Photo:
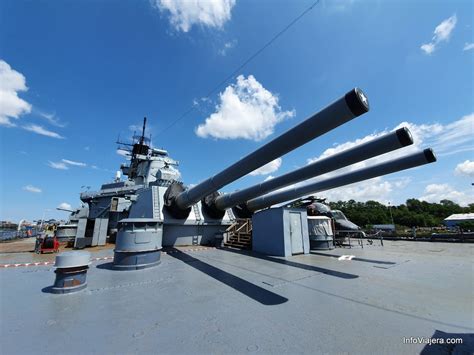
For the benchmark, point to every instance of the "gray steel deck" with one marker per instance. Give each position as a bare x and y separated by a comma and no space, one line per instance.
227,301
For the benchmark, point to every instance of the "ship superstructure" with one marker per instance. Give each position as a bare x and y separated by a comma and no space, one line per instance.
149,173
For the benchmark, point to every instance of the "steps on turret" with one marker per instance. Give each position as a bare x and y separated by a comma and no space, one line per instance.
239,234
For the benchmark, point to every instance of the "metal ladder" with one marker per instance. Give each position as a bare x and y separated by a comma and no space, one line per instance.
156,202
197,212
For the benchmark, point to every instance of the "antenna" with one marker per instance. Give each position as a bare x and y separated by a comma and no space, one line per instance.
142,138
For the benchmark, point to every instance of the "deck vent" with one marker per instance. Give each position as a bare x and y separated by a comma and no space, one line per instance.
71,271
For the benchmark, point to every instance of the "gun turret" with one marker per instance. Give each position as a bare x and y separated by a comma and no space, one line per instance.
386,143
410,161
353,104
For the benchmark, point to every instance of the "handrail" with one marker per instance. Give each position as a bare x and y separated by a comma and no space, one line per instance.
242,226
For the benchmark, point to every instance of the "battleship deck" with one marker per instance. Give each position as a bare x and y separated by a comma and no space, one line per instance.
226,301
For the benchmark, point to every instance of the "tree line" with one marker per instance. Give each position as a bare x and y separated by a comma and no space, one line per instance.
414,213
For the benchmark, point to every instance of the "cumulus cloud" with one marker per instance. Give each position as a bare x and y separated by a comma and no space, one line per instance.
465,168
402,182
65,206
183,14
374,189
58,165
450,138
438,192
268,168
428,48
75,163
246,110
445,139
31,188
468,46
442,33
42,131
11,106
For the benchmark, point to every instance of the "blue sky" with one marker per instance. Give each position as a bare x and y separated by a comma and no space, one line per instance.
76,74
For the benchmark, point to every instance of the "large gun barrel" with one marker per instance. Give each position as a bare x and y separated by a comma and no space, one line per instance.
391,166
386,143
349,106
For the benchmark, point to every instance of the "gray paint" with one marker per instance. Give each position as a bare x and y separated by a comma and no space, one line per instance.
197,229
148,169
99,236
138,235
321,122
142,207
390,166
375,147
274,234
81,240
296,233
71,259
191,234
403,289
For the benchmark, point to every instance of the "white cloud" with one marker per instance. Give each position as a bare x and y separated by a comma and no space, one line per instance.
42,131
465,168
338,5
31,188
376,189
445,139
11,106
75,163
123,153
428,48
228,45
186,13
402,182
344,146
451,138
442,33
52,119
438,192
65,163
246,110
65,206
58,165
468,46
269,177
268,168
